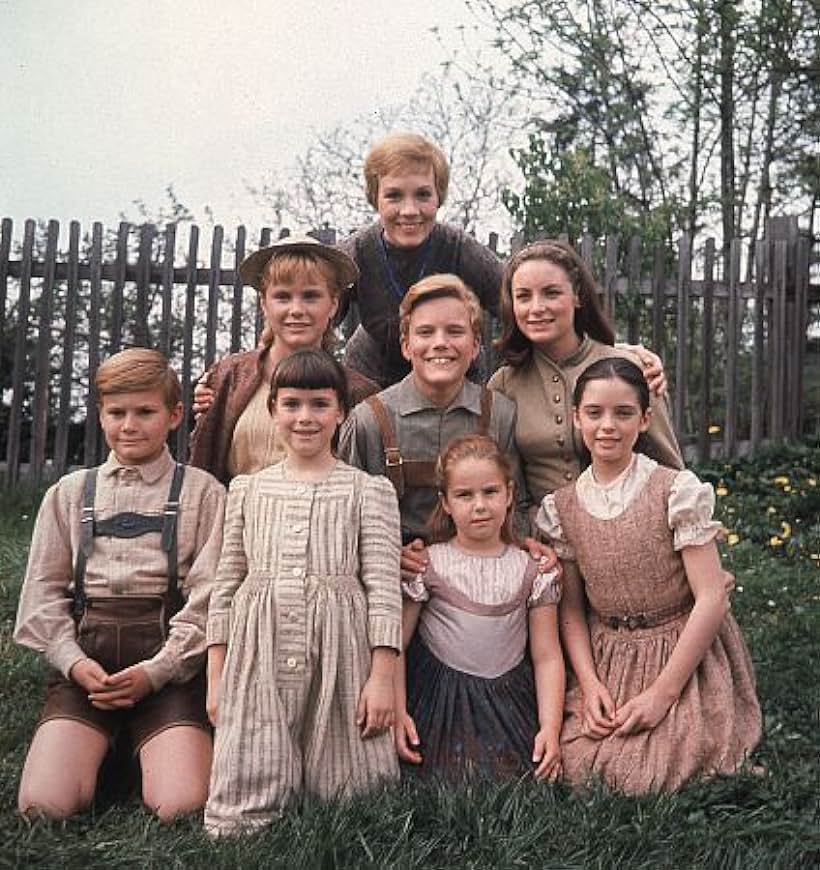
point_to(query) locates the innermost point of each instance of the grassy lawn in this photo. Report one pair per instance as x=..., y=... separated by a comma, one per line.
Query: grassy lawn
x=771, y=507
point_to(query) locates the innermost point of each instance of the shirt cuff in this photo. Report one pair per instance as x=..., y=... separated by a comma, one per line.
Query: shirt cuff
x=384, y=631
x=64, y=656
x=160, y=669
x=217, y=629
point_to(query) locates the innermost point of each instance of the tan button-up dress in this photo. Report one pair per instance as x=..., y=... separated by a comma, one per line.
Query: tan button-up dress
x=551, y=450
x=307, y=586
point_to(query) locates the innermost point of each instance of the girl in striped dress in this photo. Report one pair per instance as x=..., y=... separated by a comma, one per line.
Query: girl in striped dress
x=304, y=624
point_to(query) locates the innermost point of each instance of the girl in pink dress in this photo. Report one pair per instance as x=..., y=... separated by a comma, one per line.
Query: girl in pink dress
x=664, y=688
x=485, y=674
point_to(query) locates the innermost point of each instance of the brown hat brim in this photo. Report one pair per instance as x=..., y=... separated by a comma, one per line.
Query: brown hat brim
x=253, y=266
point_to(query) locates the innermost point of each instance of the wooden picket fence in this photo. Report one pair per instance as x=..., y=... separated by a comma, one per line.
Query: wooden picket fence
x=735, y=350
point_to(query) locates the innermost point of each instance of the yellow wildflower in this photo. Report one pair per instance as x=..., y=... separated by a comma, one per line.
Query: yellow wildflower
x=775, y=541
x=787, y=488
x=714, y=429
x=732, y=539
x=721, y=491
x=782, y=480
x=785, y=529
x=811, y=482
x=771, y=509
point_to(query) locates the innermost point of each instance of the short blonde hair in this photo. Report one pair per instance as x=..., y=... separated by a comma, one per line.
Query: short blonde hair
x=403, y=152
x=135, y=370
x=440, y=287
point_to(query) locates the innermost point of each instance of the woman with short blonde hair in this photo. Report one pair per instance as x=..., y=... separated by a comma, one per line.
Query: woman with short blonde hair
x=406, y=181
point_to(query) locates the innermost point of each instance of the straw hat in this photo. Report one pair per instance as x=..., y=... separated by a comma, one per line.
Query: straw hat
x=253, y=266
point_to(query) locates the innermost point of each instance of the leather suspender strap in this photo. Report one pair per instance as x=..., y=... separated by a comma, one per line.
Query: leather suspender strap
x=169, y=536
x=403, y=473
x=393, y=461
x=86, y=542
x=486, y=411
x=419, y=472
x=168, y=540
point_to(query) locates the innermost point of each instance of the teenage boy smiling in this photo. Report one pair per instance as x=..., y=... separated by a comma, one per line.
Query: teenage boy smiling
x=401, y=431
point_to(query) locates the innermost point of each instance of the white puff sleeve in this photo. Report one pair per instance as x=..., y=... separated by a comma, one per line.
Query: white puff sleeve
x=690, y=509
x=414, y=588
x=549, y=525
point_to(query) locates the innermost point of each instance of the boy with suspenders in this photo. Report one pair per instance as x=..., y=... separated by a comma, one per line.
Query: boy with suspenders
x=400, y=431
x=116, y=596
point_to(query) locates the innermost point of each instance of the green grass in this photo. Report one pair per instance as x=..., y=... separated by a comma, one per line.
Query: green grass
x=744, y=822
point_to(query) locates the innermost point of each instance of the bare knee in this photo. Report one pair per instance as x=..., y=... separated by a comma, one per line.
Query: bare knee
x=60, y=772
x=176, y=768
x=38, y=801
x=169, y=800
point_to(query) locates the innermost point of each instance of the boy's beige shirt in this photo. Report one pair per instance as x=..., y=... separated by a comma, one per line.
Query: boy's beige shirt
x=123, y=566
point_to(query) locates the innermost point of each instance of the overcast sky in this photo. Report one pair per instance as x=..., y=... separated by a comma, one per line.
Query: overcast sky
x=107, y=101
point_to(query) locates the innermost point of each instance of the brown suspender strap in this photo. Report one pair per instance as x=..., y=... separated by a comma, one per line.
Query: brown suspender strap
x=419, y=472
x=403, y=473
x=486, y=411
x=393, y=461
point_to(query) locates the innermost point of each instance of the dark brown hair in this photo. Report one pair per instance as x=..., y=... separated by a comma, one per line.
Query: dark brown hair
x=310, y=369
x=441, y=525
x=608, y=369
x=513, y=345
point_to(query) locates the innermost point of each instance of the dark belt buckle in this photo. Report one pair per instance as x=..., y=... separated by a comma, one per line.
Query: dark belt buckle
x=630, y=623
x=635, y=620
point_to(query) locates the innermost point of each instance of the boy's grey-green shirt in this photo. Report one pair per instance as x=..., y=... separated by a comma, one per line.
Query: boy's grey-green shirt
x=423, y=430
x=123, y=567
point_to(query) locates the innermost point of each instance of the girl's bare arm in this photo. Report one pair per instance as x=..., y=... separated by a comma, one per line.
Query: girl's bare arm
x=598, y=704
x=404, y=729
x=548, y=666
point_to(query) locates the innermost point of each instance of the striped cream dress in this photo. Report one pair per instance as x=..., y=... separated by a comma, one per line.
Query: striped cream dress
x=307, y=586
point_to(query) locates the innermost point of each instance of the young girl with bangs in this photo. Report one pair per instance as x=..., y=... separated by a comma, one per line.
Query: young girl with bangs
x=304, y=622
x=484, y=684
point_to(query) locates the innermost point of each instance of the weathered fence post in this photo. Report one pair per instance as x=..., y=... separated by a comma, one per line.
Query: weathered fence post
x=238, y=292
x=42, y=371
x=682, y=347
x=67, y=362
x=707, y=336
x=120, y=266
x=759, y=392
x=187, y=343
x=5, y=250
x=16, y=409
x=92, y=429
x=732, y=349
x=169, y=246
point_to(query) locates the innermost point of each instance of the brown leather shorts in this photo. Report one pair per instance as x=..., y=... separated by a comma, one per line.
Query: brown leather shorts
x=118, y=633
